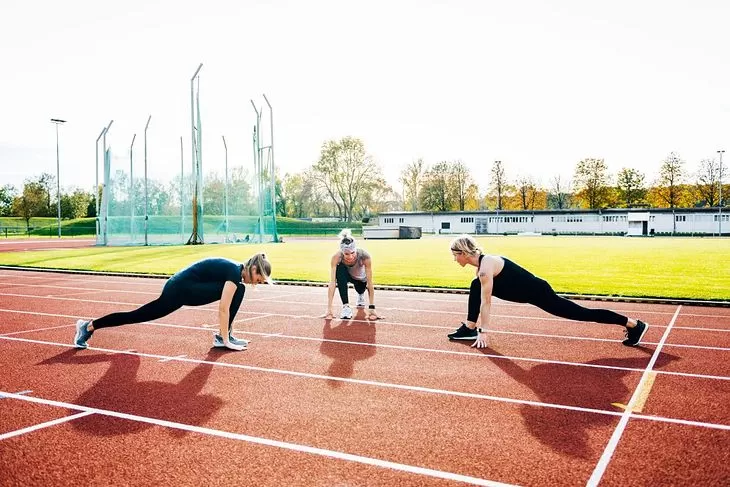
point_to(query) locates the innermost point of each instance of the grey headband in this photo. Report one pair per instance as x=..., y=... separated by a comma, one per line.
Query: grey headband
x=350, y=247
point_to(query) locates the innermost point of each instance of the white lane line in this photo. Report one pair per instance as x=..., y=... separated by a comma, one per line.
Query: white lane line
x=418, y=349
x=608, y=452
x=19, y=393
x=65, y=295
x=275, y=443
x=265, y=315
x=37, y=329
x=168, y=359
x=685, y=422
x=272, y=335
x=47, y=424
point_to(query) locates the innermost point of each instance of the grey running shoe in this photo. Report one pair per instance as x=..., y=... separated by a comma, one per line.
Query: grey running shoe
x=218, y=341
x=82, y=334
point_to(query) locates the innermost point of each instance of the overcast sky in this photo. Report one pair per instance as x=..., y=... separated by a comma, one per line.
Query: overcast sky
x=538, y=84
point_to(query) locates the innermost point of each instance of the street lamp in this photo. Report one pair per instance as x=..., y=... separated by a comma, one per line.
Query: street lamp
x=58, y=122
x=719, y=204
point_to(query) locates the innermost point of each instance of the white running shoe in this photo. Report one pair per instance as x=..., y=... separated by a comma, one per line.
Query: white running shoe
x=346, y=312
x=361, y=300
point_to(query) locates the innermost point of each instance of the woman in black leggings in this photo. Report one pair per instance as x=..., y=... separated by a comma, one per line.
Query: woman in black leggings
x=203, y=282
x=500, y=277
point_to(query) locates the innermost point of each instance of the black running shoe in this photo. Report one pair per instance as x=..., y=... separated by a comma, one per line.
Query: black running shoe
x=635, y=334
x=463, y=333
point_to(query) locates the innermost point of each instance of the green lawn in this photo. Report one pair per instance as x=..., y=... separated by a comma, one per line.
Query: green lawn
x=656, y=267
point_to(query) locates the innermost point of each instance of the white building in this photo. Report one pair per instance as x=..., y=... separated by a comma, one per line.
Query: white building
x=634, y=222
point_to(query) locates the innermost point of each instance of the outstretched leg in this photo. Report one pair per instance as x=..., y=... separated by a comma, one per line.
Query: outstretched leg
x=545, y=298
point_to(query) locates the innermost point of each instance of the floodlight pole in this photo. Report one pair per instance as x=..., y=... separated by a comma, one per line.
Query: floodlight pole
x=131, y=188
x=58, y=122
x=225, y=189
x=719, y=203
x=146, y=203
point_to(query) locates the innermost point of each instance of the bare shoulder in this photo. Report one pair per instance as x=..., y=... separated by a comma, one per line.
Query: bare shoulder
x=491, y=265
x=336, y=258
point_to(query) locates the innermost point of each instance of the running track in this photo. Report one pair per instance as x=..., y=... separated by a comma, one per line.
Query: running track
x=316, y=402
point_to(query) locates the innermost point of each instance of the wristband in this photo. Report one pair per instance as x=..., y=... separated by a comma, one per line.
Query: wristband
x=372, y=306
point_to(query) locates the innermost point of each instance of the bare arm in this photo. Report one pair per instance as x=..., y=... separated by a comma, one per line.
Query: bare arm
x=333, y=283
x=224, y=306
x=371, y=287
x=486, y=279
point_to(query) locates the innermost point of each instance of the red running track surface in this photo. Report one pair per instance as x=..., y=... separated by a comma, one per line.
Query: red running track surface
x=327, y=402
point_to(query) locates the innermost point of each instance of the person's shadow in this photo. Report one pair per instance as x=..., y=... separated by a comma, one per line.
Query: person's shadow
x=344, y=355
x=568, y=431
x=120, y=390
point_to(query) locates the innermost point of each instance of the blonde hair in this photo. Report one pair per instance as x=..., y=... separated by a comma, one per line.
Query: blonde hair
x=262, y=265
x=466, y=245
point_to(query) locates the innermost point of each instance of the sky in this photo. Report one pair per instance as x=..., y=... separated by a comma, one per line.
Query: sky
x=537, y=84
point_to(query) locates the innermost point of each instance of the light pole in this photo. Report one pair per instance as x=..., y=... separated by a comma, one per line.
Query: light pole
x=719, y=204
x=131, y=189
x=146, y=205
x=225, y=191
x=58, y=122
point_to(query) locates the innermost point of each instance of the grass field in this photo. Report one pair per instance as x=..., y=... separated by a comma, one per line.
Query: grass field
x=619, y=266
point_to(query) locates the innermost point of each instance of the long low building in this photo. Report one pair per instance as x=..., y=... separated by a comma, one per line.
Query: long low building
x=633, y=222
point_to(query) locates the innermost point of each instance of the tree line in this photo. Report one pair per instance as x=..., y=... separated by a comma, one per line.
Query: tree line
x=345, y=182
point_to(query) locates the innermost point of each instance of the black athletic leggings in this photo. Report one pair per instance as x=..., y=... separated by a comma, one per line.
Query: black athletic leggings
x=517, y=284
x=343, y=277
x=175, y=295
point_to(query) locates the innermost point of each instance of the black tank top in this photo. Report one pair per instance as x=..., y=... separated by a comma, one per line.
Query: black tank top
x=514, y=283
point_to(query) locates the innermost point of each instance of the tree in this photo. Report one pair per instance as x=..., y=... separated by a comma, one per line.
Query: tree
x=297, y=194
x=346, y=172
x=75, y=205
x=33, y=202
x=708, y=176
x=498, y=182
x=435, y=193
x=630, y=183
x=559, y=195
x=671, y=175
x=411, y=178
x=591, y=182
x=48, y=182
x=461, y=184
x=7, y=194
x=527, y=191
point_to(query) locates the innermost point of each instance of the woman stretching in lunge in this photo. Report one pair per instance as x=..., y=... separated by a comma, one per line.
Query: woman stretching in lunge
x=201, y=283
x=350, y=264
x=500, y=277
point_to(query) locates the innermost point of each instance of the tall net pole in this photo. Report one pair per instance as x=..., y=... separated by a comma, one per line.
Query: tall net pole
x=146, y=197
x=272, y=170
x=197, y=236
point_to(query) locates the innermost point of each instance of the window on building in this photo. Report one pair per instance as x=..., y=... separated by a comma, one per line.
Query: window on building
x=445, y=225
x=467, y=219
x=388, y=220
x=401, y=220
